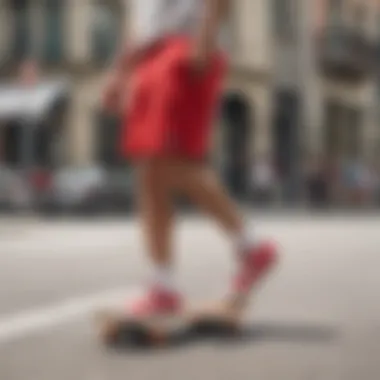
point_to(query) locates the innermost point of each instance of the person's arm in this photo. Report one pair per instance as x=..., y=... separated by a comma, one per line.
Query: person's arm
x=123, y=64
x=206, y=39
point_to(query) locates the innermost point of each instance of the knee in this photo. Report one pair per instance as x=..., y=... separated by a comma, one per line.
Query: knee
x=154, y=176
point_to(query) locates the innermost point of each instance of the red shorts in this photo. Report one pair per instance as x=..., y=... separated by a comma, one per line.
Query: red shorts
x=171, y=109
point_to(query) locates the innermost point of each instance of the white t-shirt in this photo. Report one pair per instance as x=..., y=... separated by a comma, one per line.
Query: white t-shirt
x=154, y=19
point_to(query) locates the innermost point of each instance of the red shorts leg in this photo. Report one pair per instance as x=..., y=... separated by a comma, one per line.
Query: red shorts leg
x=172, y=109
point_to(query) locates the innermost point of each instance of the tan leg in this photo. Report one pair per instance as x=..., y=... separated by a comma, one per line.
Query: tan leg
x=158, y=181
x=156, y=211
x=202, y=186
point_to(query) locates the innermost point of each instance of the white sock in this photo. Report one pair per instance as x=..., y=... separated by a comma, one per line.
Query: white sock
x=243, y=241
x=163, y=277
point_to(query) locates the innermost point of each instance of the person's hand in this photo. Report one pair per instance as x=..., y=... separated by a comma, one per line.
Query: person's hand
x=199, y=60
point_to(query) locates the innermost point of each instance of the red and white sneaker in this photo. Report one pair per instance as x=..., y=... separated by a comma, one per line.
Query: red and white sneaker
x=156, y=303
x=256, y=263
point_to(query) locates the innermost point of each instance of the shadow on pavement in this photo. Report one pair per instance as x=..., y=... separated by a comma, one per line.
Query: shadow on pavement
x=295, y=333
x=286, y=333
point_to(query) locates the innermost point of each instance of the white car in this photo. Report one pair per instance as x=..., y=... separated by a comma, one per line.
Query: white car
x=14, y=190
x=71, y=186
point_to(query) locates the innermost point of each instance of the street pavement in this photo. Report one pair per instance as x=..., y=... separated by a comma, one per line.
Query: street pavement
x=316, y=318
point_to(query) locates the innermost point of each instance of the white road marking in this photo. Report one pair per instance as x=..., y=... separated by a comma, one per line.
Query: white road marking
x=75, y=242
x=65, y=249
x=35, y=320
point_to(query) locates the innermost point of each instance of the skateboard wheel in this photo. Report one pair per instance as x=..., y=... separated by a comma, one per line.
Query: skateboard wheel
x=159, y=338
x=109, y=333
x=108, y=327
x=133, y=334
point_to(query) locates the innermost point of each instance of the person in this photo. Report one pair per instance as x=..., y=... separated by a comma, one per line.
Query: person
x=166, y=84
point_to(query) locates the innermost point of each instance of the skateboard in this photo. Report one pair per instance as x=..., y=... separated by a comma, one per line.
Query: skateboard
x=222, y=319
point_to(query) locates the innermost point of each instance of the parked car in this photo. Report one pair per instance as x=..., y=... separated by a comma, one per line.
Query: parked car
x=118, y=194
x=15, y=192
x=88, y=191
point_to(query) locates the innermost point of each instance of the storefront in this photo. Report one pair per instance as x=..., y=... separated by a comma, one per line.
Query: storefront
x=32, y=132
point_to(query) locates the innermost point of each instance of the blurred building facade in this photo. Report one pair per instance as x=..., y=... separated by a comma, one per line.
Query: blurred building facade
x=79, y=38
x=67, y=39
x=346, y=33
x=301, y=80
x=325, y=57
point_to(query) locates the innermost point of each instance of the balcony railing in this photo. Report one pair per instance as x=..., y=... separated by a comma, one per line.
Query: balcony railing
x=346, y=54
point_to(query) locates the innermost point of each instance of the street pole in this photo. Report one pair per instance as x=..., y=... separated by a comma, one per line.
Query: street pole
x=307, y=84
x=28, y=78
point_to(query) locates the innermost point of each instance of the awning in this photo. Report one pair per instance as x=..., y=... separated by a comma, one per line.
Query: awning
x=17, y=101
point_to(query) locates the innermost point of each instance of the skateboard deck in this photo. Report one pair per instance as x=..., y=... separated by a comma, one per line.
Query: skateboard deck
x=216, y=319
x=212, y=319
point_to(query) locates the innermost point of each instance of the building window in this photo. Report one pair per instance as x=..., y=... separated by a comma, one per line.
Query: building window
x=333, y=114
x=107, y=138
x=21, y=43
x=342, y=130
x=107, y=25
x=353, y=136
x=53, y=43
x=11, y=135
x=284, y=19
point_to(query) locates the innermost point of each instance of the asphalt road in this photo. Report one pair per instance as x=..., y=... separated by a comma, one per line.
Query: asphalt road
x=317, y=318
